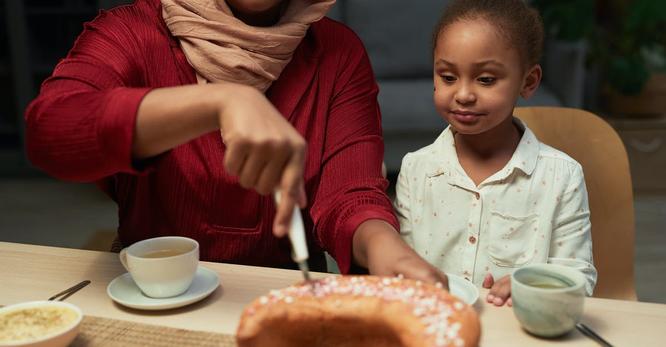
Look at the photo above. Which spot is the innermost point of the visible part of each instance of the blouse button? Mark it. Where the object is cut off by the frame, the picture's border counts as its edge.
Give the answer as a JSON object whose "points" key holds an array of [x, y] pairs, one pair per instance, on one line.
{"points": [[477, 195], [472, 239]]}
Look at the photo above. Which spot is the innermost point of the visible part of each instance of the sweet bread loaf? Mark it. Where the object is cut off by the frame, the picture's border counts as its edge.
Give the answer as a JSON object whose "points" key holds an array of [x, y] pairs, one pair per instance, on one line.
{"points": [[346, 311]]}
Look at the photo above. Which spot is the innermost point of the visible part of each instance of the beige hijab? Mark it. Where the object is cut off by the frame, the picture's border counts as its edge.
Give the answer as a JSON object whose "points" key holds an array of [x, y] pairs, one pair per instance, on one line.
{"points": [[221, 47]]}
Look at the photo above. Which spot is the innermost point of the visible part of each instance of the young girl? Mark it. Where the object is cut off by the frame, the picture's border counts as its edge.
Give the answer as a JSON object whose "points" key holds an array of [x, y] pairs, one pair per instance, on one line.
{"points": [[487, 197]]}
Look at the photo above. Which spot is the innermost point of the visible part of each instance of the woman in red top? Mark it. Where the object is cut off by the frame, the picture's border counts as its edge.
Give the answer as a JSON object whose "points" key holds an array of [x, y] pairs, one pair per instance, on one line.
{"points": [[190, 113]]}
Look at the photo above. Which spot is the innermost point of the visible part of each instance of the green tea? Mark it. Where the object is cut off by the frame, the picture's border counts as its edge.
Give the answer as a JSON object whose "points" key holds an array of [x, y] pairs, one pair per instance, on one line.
{"points": [[548, 285], [548, 281]]}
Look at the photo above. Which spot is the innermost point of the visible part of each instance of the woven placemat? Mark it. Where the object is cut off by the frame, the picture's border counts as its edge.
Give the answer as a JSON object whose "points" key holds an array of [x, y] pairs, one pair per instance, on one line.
{"points": [[97, 331]]}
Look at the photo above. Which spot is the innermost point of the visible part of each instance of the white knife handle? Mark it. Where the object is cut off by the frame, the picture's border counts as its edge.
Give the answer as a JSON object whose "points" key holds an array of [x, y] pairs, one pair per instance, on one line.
{"points": [[299, 245], [297, 237]]}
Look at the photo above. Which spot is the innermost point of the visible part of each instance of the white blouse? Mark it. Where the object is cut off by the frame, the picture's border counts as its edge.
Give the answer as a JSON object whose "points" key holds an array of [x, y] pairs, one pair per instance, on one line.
{"points": [[534, 210]]}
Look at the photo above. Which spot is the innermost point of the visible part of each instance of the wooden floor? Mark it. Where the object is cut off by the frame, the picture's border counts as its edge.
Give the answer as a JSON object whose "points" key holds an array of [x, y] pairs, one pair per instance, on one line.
{"points": [[48, 212]]}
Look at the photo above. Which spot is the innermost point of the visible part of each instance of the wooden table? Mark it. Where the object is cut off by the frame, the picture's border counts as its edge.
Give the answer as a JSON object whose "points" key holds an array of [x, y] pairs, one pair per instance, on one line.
{"points": [[29, 272]]}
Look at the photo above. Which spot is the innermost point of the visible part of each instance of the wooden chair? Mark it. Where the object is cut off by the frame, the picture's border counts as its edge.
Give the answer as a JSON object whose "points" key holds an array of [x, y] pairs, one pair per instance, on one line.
{"points": [[597, 147]]}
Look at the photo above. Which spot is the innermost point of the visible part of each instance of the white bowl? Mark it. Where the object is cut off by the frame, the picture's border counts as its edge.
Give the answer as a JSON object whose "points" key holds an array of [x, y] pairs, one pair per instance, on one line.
{"points": [[59, 336]]}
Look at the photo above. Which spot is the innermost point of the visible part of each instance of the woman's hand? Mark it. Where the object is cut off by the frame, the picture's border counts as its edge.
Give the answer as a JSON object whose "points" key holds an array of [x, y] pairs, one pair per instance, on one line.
{"points": [[264, 151], [262, 148], [378, 246], [500, 290]]}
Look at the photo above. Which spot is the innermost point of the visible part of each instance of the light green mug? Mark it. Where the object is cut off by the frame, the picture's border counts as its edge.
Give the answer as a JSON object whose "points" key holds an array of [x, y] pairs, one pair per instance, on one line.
{"points": [[547, 298]]}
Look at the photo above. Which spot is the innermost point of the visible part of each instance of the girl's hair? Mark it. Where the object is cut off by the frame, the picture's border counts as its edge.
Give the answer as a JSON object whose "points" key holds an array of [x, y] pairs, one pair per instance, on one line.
{"points": [[517, 22]]}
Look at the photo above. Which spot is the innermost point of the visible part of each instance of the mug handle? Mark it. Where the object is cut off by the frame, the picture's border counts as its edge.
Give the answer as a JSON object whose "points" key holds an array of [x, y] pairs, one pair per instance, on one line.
{"points": [[123, 258]]}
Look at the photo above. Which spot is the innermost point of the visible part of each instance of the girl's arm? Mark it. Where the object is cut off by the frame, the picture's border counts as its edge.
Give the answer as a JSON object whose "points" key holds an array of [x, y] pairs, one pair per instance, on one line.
{"points": [[571, 240]]}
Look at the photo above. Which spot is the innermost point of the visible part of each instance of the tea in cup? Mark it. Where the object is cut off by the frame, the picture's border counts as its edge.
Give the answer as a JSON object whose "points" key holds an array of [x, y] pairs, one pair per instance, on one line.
{"points": [[162, 267], [547, 298]]}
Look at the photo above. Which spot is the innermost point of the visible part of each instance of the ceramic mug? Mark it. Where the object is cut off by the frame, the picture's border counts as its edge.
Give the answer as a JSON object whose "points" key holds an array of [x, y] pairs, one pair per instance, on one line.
{"points": [[162, 267], [547, 298]]}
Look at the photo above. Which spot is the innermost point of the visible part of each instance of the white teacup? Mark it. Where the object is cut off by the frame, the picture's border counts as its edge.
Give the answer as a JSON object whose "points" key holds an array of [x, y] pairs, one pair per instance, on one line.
{"points": [[547, 298], [162, 267]]}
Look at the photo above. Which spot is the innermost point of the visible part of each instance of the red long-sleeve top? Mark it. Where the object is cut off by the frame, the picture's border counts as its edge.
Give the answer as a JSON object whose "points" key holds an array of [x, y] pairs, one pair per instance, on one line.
{"points": [[80, 128]]}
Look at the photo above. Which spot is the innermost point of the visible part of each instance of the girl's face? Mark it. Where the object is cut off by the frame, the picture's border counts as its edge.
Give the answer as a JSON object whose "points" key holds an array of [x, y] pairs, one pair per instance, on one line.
{"points": [[478, 77]]}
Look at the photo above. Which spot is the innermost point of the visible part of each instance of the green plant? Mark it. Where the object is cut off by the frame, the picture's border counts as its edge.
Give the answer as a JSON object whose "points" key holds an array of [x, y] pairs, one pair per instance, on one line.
{"points": [[567, 20], [629, 43], [626, 38]]}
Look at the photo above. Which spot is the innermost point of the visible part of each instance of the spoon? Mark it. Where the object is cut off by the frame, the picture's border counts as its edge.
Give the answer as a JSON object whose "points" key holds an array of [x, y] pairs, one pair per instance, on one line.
{"points": [[585, 330], [69, 291]]}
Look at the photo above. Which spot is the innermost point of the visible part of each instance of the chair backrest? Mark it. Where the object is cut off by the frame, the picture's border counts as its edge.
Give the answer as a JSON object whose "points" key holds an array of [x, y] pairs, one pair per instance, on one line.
{"points": [[597, 147]]}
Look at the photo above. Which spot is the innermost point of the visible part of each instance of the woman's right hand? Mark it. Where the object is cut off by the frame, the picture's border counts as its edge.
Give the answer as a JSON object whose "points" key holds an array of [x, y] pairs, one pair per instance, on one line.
{"points": [[263, 150], [377, 246]]}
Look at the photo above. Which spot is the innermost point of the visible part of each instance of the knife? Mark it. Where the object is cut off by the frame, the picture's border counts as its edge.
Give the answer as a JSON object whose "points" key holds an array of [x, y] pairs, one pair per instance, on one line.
{"points": [[299, 246]]}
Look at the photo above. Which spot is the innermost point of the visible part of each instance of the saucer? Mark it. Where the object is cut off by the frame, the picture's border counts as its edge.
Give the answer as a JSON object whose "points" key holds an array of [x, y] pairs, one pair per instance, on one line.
{"points": [[463, 289], [124, 291]]}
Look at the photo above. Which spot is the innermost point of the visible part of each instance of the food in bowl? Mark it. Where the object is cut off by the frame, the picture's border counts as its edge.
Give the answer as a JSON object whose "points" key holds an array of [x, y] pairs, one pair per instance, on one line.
{"points": [[53, 323]]}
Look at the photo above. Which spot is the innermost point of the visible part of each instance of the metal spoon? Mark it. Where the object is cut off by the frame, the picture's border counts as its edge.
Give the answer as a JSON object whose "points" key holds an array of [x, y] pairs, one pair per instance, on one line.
{"points": [[69, 291], [585, 330]]}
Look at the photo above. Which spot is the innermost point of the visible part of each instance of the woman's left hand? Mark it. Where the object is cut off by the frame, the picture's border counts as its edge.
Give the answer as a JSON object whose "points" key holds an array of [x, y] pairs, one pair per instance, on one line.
{"points": [[500, 290], [378, 247]]}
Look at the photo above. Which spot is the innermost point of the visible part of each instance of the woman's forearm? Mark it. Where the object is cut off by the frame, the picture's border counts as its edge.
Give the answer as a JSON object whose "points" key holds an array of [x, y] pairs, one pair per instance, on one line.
{"points": [[262, 149], [373, 231], [378, 247], [168, 117]]}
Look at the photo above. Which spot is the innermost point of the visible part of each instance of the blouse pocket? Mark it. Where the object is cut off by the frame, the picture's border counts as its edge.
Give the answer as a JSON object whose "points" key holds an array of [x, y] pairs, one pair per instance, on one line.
{"points": [[512, 238], [233, 209]]}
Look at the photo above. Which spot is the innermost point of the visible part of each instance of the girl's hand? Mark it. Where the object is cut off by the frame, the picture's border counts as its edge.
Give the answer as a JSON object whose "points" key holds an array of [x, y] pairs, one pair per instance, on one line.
{"points": [[378, 246], [500, 290], [264, 151]]}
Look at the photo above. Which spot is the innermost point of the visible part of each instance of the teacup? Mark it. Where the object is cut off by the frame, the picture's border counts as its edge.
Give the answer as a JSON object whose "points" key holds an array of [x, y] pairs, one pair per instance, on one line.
{"points": [[162, 267], [547, 298]]}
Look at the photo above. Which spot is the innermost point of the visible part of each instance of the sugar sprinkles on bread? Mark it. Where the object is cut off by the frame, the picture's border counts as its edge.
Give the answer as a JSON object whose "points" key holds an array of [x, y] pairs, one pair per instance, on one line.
{"points": [[359, 311]]}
